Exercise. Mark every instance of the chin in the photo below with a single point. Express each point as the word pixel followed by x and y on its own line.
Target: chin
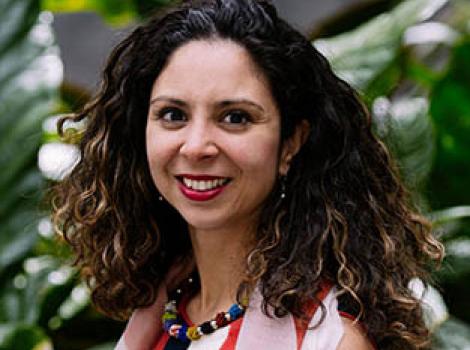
pixel 203 221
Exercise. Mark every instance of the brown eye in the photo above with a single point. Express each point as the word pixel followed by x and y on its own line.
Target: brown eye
pixel 237 118
pixel 172 115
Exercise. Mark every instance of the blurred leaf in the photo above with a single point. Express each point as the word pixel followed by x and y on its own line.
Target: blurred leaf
pixel 452 335
pixel 367 56
pixel 106 346
pixel 120 12
pixel 450 110
pixel 23 337
pixel 17 19
pixel 406 128
pixel 455 213
pixel 29 77
pixel 115 12
pixel 35 294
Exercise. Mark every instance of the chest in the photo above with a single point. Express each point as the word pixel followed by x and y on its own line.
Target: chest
pixel 256 331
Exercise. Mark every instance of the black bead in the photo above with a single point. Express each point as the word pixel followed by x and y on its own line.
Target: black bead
pixel 206 327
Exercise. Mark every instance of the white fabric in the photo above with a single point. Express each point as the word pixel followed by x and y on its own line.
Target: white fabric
pixel 261 332
pixel 328 334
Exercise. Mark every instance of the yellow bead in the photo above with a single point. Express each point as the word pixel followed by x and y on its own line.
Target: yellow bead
pixel 192 333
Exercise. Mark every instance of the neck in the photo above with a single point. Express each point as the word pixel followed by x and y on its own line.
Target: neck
pixel 220 259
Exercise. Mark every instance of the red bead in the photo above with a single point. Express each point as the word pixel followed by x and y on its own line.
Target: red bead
pixel 220 319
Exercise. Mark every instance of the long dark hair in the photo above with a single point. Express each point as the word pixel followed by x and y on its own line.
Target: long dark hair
pixel 346 219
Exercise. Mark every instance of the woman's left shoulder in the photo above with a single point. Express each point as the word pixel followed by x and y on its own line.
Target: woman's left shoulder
pixel 354 337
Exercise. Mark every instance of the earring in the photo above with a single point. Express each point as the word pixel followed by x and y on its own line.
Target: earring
pixel 160 198
pixel 283 180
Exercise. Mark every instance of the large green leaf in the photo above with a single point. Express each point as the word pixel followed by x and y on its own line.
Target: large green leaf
pixel 367 57
pixel 34 295
pixel 29 77
pixel 406 127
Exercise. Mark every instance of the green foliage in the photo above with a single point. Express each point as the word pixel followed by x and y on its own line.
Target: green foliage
pixel 120 12
pixel 23 337
pixel 450 109
pixel 115 12
pixel 28 94
pixel 426 126
pixel 20 131
pixel 368 56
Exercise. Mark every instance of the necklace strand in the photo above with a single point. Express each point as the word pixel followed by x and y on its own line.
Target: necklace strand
pixel 184 333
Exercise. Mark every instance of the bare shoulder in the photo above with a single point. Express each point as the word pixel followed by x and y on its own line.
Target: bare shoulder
pixel 354 337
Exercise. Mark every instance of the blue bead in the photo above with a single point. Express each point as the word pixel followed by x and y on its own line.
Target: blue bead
pixel 182 333
pixel 234 311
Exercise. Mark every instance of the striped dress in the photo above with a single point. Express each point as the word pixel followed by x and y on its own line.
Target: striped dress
pixel 256 331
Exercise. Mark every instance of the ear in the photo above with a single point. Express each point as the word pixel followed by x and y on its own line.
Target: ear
pixel 292 145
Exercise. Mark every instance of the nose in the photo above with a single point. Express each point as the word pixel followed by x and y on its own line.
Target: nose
pixel 199 142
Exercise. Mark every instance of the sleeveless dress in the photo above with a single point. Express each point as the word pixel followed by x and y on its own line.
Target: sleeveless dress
pixel 256 331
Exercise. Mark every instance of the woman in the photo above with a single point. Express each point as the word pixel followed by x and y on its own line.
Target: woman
pixel 223 159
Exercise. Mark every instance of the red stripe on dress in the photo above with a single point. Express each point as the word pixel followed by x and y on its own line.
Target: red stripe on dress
pixel 161 343
pixel 309 310
pixel 234 331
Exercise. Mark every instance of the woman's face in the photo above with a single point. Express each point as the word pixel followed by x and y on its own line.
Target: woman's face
pixel 213 134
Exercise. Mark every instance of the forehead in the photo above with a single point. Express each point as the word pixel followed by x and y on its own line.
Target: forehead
pixel 212 67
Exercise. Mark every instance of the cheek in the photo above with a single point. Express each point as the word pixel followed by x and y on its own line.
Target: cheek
pixel 258 157
pixel 158 154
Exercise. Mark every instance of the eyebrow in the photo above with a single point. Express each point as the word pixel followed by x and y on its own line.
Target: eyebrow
pixel 223 103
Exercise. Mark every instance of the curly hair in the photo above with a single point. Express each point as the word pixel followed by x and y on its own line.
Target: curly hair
pixel 346 218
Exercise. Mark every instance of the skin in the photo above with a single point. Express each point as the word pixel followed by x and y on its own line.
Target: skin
pixel 206 83
pixel 354 337
pixel 212 112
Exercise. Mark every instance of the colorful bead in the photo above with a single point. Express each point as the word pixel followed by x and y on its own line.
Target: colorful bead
pixel 173 330
pixel 206 327
pixel 220 319
pixel 192 333
pixel 235 311
pixel 184 333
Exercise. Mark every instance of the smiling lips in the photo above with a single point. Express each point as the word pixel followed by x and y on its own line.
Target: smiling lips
pixel 201 187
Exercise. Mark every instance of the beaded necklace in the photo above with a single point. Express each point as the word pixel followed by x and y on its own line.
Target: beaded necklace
pixel 184 333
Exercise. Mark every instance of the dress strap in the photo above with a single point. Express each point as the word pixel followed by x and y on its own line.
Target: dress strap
pixel 326 335
pixel 261 332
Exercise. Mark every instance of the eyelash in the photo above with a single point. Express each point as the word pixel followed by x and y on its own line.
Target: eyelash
pixel 246 117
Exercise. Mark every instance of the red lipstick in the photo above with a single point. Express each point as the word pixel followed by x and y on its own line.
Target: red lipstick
pixel 200 195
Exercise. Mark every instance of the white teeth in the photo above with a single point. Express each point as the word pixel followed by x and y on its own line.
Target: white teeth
pixel 203 185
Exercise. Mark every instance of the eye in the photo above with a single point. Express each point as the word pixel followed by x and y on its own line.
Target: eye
pixel 237 118
pixel 171 114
